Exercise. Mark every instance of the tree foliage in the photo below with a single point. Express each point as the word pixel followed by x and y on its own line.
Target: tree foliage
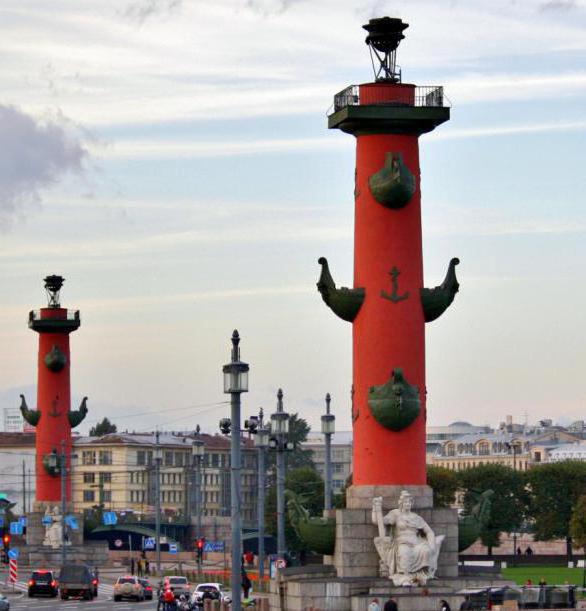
pixel 554 491
pixel 445 484
pixel 508 503
pixel 103 428
pixel 305 481
pixel 578 523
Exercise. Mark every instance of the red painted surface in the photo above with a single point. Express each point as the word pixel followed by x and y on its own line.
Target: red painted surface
pixel 54 402
pixel 387 335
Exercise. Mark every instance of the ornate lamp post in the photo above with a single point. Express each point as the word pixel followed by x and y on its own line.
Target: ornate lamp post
pixel 197 453
pixel 158 460
pixel 279 443
pixel 328 428
pixel 235 383
pixel 514 447
pixel 256 427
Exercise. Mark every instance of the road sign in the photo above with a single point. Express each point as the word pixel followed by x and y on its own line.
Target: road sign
pixel 280 563
pixel 172 548
pixel 71 521
pixel 23 521
pixel 46 520
pixel 110 518
pixel 13 571
pixel 149 543
pixel 15 528
pixel 118 542
pixel 1 521
pixel 13 553
pixel 213 546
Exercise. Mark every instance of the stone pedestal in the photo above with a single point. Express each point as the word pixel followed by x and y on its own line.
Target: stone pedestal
pixel 356 556
pixel 35 530
pixel 93 553
pixel 360 497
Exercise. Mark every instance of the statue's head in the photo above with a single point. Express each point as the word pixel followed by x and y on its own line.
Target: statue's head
pixel 405 501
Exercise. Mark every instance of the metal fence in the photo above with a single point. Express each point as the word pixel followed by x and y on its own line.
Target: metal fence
pixel 427 95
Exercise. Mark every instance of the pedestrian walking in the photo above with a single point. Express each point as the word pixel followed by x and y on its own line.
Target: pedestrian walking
pixel 391 605
pixel 374 606
pixel 147 567
pixel 444 606
pixel 246 583
pixel 132 566
pixel 139 567
pixel 466 604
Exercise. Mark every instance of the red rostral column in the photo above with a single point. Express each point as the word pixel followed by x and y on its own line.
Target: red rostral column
pixel 388 306
pixel 53 417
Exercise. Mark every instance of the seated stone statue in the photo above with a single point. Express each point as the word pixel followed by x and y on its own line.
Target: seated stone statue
pixel 407 546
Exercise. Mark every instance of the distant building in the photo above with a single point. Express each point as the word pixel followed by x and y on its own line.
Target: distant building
pixel 436 435
pixel 341 456
pixel 13 420
pixel 17 473
pixel 567 451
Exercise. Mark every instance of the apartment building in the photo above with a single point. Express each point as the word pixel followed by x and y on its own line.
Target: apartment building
pixel 341 456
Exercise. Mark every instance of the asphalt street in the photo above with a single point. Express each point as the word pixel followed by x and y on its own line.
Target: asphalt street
pixel 103 602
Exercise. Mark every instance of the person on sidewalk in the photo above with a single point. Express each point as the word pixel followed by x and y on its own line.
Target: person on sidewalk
pixel 374 606
pixel 391 605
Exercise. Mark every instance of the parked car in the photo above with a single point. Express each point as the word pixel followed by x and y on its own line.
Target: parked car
pixel 128 586
pixel 42 582
pixel 147 587
pixel 76 580
pixel 4 603
pixel 177 584
pixel 213 591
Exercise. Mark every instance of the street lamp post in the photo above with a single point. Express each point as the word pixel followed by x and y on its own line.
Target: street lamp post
pixel 514 447
pixel 158 457
pixel 279 443
pixel 235 383
pixel 198 451
pixel 261 433
pixel 328 429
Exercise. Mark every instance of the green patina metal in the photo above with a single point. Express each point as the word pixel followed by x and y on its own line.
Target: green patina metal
pixel 437 300
pixel 393 185
pixel 55 360
pixel 55 469
pixel 470 526
pixel 394 296
pixel 395 404
pixel 78 416
pixel 32 416
pixel 344 302
pixel 319 534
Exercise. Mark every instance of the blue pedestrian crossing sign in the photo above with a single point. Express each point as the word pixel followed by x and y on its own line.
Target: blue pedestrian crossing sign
pixel 110 518
pixel 149 543
pixel 13 553
pixel 71 521
pixel 46 520
pixel 16 528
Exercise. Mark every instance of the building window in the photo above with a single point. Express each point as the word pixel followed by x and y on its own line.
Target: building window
pixel 483 449
pixel 141 457
pixel 105 478
pixel 168 459
pixel 215 460
pixel 89 478
pixel 537 457
pixel 105 457
pixel 88 496
pixel 88 457
pixel 107 496
pixel 179 459
pixel 451 450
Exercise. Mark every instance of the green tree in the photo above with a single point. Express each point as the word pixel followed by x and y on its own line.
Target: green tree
pixel 578 523
pixel 554 491
pixel 298 457
pixel 103 428
pixel 509 503
pixel 444 483
pixel 305 481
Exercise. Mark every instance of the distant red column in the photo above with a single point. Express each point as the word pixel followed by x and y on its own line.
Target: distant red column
pixel 53 429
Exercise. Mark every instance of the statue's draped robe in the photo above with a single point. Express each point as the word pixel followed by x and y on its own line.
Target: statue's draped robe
pixel 409 551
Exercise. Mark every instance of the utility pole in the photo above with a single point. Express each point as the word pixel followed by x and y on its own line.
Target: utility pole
pixel 23 488
pixel 327 428
pixel 158 501
pixel 63 500
pixel 262 442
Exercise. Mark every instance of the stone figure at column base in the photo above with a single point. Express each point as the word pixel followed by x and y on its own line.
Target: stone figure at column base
pixel 407 546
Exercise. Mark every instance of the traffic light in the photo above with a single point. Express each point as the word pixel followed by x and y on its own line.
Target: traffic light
pixel 199 546
pixel 6 542
pixel 225 426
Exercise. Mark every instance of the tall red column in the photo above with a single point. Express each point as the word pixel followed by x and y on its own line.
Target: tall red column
pixel 388 305
pixel 53 417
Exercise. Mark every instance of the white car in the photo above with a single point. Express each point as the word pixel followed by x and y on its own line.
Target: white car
pixel 215 591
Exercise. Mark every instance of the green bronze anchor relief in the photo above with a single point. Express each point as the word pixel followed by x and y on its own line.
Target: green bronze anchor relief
pixel 394 296
pixel 395 404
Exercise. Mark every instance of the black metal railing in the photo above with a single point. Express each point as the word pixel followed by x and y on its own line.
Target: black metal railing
pixel 425 96
pixel 69 315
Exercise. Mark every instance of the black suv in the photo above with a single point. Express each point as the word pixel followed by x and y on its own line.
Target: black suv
pixel 42 582
pixel 77 580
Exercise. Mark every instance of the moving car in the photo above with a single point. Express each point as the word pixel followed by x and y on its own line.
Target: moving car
pixel 76 580
pixel 147 587
pixel 4 603
pixel 128 586
pixel 42 582
pixel 213 591
pixel 177 584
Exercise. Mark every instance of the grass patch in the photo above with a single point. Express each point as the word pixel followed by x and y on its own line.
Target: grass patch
pixel 553 575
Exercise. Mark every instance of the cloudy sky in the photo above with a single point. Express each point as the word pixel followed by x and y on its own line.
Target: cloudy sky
pixel 171 159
